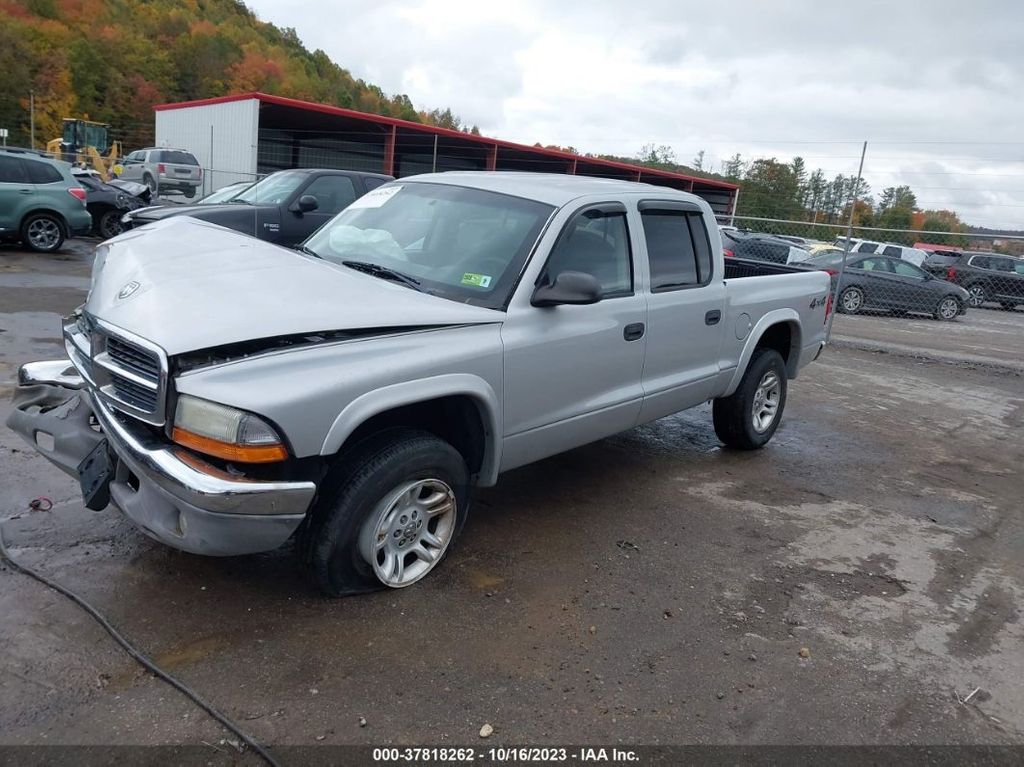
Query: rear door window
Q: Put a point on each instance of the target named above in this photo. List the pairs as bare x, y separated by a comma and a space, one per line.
907, 269
893, 251
867, 247
12, 171
874, 265
678, 249
42, 173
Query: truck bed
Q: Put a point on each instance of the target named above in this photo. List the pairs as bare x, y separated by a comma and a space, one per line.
737, 268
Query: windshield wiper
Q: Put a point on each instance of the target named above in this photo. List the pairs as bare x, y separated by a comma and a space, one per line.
308, 251
383, 272
237, 201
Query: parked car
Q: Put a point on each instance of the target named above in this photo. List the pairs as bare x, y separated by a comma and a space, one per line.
106, 203
443, 329
41, 204
284, 208
164, 170
889, 284
986, 276
762, 247
891, 249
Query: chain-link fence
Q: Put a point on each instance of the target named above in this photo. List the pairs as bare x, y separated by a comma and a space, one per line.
892, 274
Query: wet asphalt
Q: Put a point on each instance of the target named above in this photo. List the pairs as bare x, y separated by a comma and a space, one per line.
843, 585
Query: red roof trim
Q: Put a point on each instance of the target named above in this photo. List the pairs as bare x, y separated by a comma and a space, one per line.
266, 98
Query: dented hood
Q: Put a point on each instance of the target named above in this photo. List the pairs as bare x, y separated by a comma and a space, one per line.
188, 285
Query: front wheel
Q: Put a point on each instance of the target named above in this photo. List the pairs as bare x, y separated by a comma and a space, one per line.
947, 309
389, 513
110, 224
747, 418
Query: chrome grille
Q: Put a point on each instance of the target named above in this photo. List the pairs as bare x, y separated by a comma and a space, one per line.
125, 371
133, 394
130, 356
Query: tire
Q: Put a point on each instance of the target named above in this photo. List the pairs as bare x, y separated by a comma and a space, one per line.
851, 300
734, 416
42, 232
109, 224
149, 181
979, 294
366, 519
948, 308
189, 192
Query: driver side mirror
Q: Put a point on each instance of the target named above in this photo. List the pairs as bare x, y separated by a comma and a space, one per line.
568, 288
306, 204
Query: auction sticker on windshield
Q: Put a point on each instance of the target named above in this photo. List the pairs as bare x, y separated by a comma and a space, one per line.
376, 198
476, 280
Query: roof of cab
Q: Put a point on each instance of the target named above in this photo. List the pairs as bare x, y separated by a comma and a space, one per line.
551, 188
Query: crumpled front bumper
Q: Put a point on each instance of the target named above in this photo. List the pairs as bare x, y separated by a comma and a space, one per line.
174, 496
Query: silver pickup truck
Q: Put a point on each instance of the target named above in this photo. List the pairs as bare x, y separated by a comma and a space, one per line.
227, 394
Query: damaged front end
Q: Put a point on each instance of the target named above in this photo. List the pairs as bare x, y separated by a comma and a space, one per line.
167, 491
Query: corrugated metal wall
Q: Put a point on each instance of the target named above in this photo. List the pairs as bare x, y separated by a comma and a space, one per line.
221, 136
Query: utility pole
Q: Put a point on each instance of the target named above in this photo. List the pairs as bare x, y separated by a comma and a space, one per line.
846, 248
32, 118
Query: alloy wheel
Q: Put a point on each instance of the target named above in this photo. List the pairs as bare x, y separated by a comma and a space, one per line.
408, 531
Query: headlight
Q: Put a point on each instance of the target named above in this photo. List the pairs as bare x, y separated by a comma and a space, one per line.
225, 432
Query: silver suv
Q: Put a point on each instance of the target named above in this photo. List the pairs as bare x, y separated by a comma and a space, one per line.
164, 170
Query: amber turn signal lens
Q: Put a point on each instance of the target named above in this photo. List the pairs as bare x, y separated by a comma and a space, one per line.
227, 451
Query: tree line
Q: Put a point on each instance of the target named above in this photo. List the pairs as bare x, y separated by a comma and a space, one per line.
789, 191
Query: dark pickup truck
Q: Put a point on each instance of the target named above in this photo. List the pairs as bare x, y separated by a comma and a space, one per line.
284, 208
986, 276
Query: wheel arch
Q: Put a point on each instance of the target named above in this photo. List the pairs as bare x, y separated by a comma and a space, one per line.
460, 408
44, 209
780, 330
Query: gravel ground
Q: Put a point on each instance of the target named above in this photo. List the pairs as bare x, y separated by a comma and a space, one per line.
842, 585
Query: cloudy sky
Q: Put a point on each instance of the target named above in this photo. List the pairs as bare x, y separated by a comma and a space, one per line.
934, 86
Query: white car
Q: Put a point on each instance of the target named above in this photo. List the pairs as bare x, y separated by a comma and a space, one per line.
891, 249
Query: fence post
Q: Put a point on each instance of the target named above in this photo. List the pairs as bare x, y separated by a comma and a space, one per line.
846, 248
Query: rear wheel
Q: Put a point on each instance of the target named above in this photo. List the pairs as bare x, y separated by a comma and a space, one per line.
149, 181
42, 232
978, 294
389, 513
851, 300
948, 308
747, 418
189, 192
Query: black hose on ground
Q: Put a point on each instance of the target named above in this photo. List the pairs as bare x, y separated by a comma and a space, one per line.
143, 660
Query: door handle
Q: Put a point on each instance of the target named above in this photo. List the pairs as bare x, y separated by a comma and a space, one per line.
712, 317
633, 331
24, 191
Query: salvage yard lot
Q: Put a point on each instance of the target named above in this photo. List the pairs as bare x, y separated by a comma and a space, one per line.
650, 588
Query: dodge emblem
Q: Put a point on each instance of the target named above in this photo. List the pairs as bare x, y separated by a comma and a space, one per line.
128, 290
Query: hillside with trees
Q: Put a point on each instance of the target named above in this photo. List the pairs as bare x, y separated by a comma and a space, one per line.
112, 60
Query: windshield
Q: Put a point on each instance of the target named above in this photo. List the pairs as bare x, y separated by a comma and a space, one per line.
467, 245
223, 195
273, 190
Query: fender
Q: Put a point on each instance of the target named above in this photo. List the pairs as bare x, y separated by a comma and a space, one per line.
774, 317
378, 401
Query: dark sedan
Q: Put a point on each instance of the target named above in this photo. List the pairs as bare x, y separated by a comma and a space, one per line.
284, 208
890, 284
